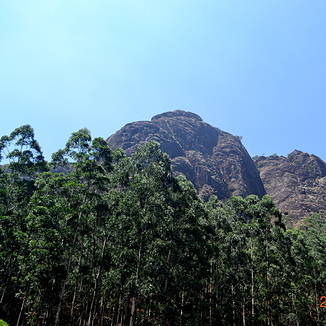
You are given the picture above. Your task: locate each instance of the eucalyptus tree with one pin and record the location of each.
(157, 240)
(91, 171)
(142, 185)
(23, 151)
(120, 240)
(250, 247)
(188, 255)
(25, 160)
(217, 226)
(230, 268)
(16, 188)
(65, 233)
(66, 238)
(261, 214)
(309, 253)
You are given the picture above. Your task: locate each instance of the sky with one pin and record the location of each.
(255, 69)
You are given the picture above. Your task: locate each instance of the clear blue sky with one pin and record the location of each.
(252, 68)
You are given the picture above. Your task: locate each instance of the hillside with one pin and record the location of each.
(215, 161)
(297, 183)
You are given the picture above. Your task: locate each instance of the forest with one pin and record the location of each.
(116, 240)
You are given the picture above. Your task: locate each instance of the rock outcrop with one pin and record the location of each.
(215, 161)
(296, 183)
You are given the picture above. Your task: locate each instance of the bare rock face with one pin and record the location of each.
(296, 183)
(214, 161)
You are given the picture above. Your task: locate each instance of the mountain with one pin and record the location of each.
(296, 183)
(215, 161)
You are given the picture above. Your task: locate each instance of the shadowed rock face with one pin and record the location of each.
(214, 161)
(296, 183)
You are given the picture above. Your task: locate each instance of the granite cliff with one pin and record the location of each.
(296, 183)
(215, 161)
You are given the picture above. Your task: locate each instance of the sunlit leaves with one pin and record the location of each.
(23, 151)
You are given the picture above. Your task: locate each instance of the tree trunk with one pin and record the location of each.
(133, 309)
(74, 295)
(2, 296)
(316, 297)
(244, 313)
(252, 288)
(233, 305)
(64, 283)
(210, 292)
(97, 281)
(21, 311)
(133, 305)
(166, 278)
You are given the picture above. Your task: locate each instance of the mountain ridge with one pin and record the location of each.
(297, 183)
(217, 163)
(198, 150)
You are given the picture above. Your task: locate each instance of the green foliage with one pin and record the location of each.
(23, 151)
(120, 240)
(3, 323)
(311, 169)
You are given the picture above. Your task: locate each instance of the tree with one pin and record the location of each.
(158, 239)
(16, 188)
(26, 157)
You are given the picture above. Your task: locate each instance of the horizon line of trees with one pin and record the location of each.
(120, 241)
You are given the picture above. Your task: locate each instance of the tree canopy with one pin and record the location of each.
(121, 241)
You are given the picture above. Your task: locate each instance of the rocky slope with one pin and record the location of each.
(297, 183)
(213, 160)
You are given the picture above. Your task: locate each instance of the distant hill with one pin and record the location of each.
(217, 163)
(297, 183)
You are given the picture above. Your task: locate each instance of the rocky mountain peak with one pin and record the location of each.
(177, 114)
(215, 161)
(297, 183)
